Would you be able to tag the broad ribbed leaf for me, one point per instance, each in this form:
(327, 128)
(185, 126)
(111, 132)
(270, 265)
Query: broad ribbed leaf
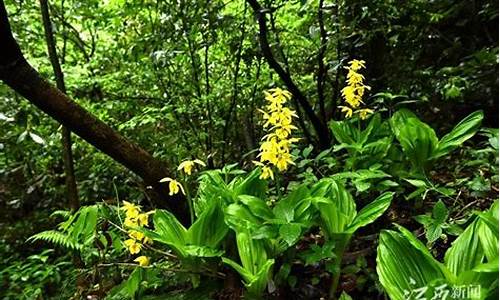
(202, 251)
(344, 132)
(252, 252)
(169, 228)
(290, 233)
(209, 229)
(336, 193)
(257, 286)
(251, 185)
(466, 251)
(371, 212)
(401, 266)
(239, 217)
(418, 141)
(399, 119)
(335, 204)
(419, 246)
(333, 220)
(488, 232)
(459, 134)
(247, 276)
(257, 206)
(211, 187)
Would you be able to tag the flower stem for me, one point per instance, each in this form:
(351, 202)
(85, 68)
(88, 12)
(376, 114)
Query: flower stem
(190, 202)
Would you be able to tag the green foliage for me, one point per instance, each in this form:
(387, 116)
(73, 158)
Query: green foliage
(436, 222)
(36, 277)
(420, 143)
(255, 265)
(202, 239)
(365, 147)
(75, 233)
(404, 264)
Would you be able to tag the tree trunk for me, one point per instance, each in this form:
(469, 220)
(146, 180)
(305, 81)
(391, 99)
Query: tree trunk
(18, 74)
(69, 172)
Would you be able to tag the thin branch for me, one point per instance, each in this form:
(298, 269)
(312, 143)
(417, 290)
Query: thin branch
(321, 65)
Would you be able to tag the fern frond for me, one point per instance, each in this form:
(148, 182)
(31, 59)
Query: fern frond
(56, 238)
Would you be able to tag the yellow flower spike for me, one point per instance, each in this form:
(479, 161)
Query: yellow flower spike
(173, 186)
(354, 78)
(133, 246)
(281, 94)
(187, 165)
(354, 91)
(143, 261)
(275, 148)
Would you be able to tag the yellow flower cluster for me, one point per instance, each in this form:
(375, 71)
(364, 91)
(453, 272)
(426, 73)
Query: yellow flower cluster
(354, 91)
(135, 218)
(275, 150)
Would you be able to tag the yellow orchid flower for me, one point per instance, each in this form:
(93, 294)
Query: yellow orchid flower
(143, 261)
(346, 110)
(143, 219)
(137, 235)
(131, 222)
(187, 165)
(363, 113)
(267, 172)
(173, 186)
(357, 64)
(133, 246)
(131, 210)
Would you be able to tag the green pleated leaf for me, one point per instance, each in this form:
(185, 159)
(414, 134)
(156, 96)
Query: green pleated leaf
(371, 212)
(245, 274)
(344, 132)
(257, 286)
(402, 265)
(335, 204)
(257, 206)
(210, 228)
(239, 217)
(465, 252)
(463, 131)
(418, 140)
(252, 252)
(168, 227)
(290, 233)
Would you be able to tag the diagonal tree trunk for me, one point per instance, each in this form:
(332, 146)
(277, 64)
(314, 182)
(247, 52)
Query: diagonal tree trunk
(69, 172)
(18, 74)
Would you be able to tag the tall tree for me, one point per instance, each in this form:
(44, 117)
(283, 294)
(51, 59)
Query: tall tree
(71, 189)
(17, 73)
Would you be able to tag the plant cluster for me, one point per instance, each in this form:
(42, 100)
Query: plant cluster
(238, 222)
